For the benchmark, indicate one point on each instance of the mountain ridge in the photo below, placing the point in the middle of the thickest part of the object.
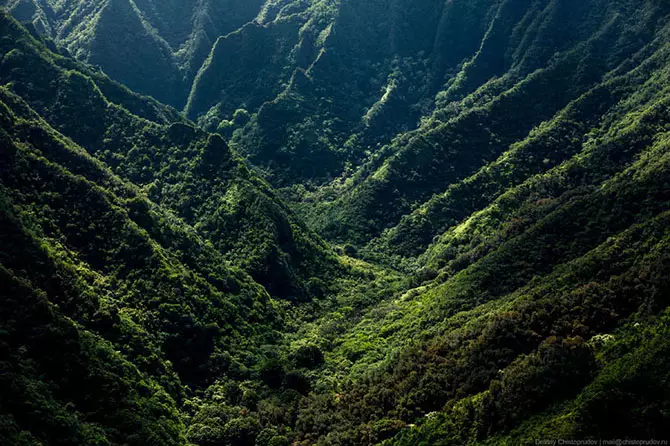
(428, 222)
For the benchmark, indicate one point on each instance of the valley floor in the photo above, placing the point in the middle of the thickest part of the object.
(398, 245)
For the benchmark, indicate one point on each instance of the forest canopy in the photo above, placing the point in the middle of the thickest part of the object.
(334, 222)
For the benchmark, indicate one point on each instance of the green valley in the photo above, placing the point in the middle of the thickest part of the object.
(334, 222)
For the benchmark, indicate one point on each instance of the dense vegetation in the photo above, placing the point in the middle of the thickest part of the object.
(414, 222)
(154, 47)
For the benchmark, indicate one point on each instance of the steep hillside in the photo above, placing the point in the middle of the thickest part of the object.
(138, 290)
(525, 291)
(427, 222)
(188, 171)
(103, 299)
(155, 48)
(330, 87)
(484, 115)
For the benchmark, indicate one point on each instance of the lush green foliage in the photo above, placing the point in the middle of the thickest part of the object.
(491, 180)
(154, 47)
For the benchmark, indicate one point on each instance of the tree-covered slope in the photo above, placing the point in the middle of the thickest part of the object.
(466, 132)
(128, 240)
(94, 273)
(519, 291)
(155, 48)
(489, 181)
(350, 75)
(186, 170)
